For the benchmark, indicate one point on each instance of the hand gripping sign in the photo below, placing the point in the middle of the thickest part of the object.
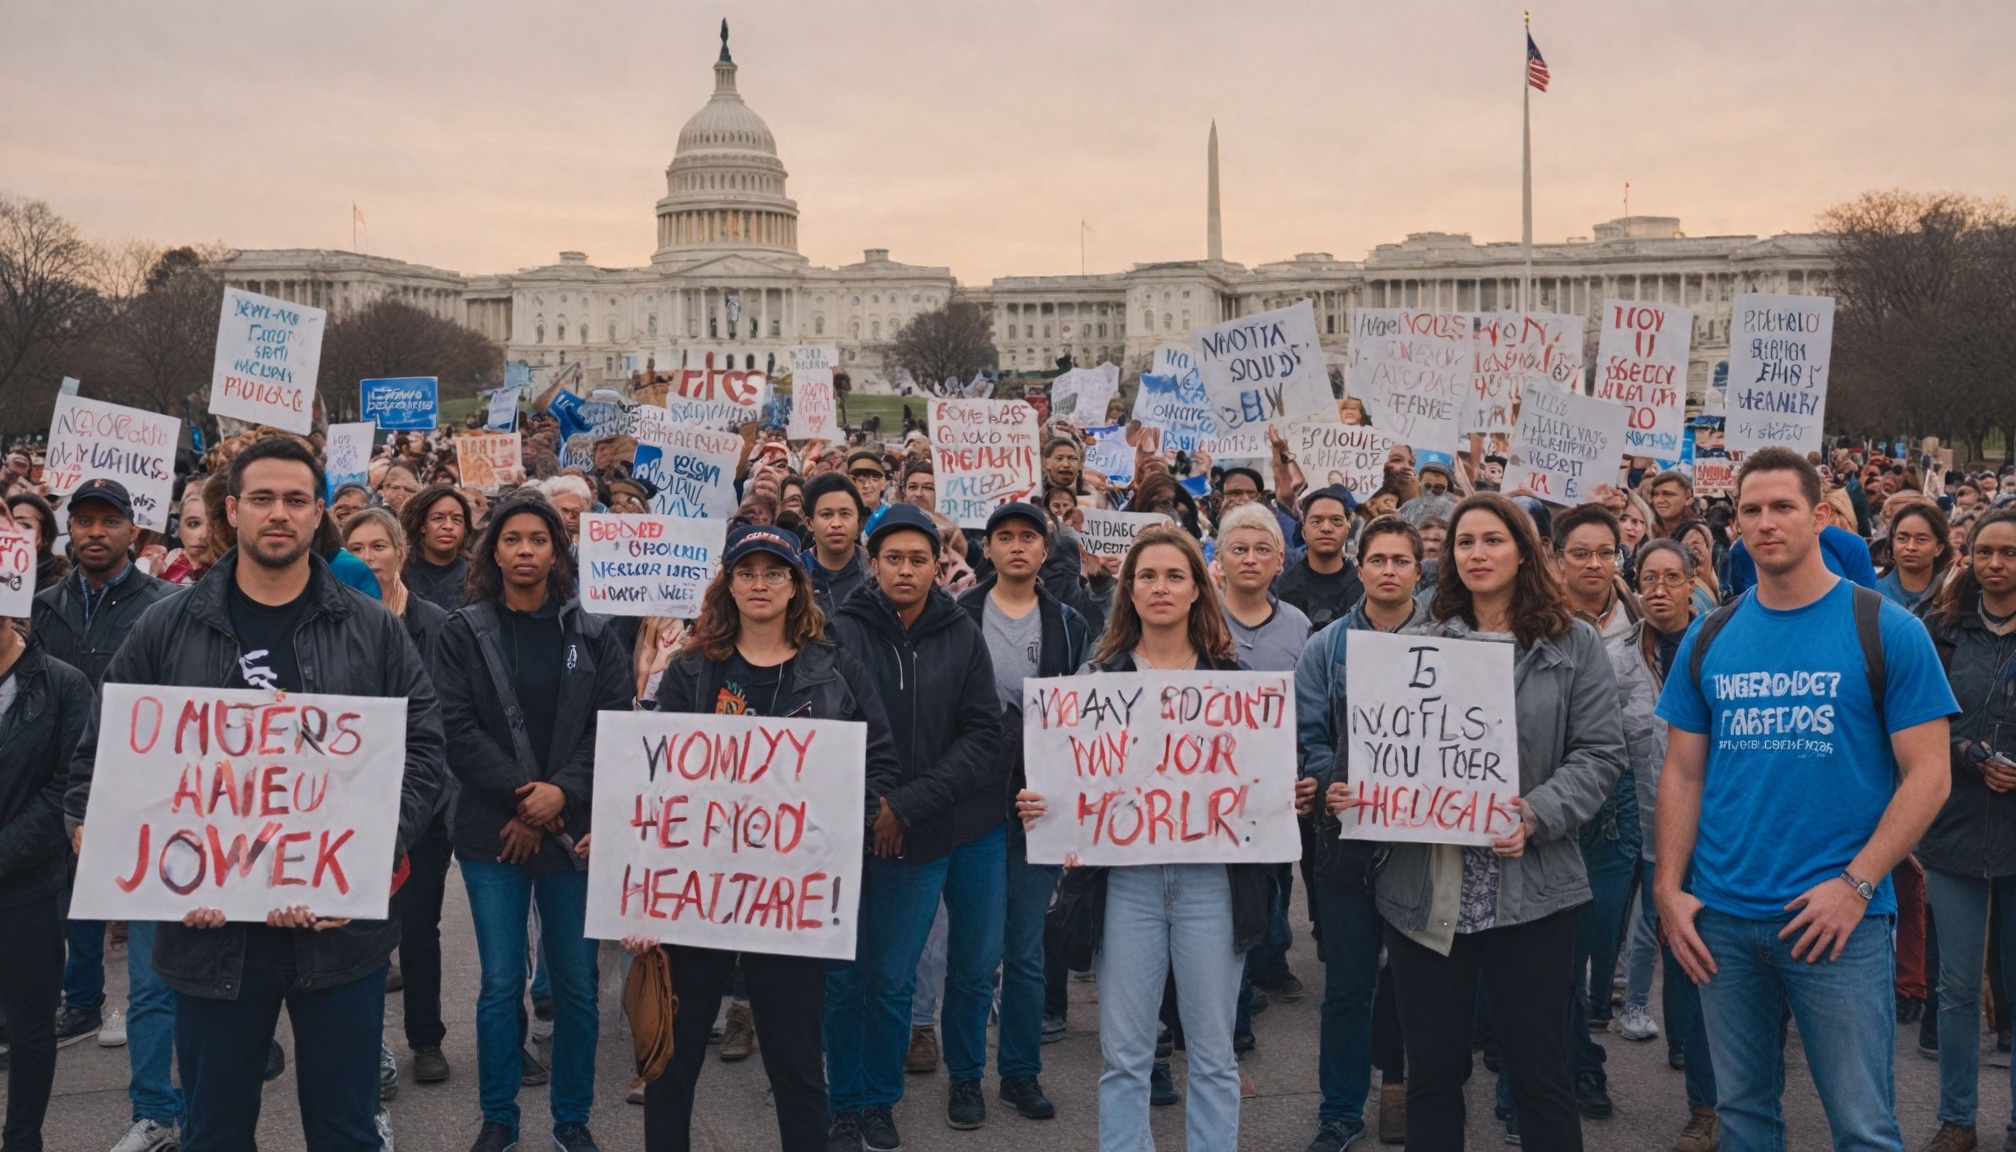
(1162, 768)
(242, 801)
(735, 832)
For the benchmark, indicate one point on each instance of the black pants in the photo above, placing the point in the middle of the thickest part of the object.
(418, 906)
(1389, 1047)
(31, 987)
(1525, 969)
(787, 995)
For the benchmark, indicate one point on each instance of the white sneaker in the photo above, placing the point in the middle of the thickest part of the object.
(112, 1033)
(148, 1136)
(384, 1122)
(1637, 1024)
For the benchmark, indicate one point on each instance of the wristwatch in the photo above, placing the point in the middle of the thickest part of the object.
(1863, 888)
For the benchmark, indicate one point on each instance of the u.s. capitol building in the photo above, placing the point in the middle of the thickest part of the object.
(727, 279)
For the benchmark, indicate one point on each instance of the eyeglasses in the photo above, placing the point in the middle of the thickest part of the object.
(768, 577)
(1653, 580)
(1584, 555)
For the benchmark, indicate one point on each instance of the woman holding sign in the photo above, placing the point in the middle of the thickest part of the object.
(1506, 911)
(759, 648)
(1200, 919)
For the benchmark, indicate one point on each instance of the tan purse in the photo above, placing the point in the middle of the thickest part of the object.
(653, 1007)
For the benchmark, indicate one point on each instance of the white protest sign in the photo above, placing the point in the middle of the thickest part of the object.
(1177, 405)
(347, 454)
(648, 565)
(741, 833)
(1162, 768)
(1083, 394)
(1266, 368)
(268, 351)
(720, 399)
(1566, 444)
(503, 415)
(693, 468)
(984, 455)
(1414, 371)
(241, 801)
(1779, 350)
(1112, 533)
(1173, 360)
(89, 439)
(1434, 739)
(814, 406)
(490, 459)
(1109, 454)
(1714, 475)
(1343, 454)
(1641, 362)
(17, 573)
(1517, 351)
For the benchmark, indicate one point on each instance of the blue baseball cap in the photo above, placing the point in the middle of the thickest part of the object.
(750, 539)
(902, 517)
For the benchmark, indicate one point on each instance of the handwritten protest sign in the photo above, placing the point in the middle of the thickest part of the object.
(718, 398)
(1714, 475)
(348, 455)
(241, 801)
(503, 414)
(1109, 454)
(1517, 351)
(1162, 768)
(693, 468)
(1779, 350)
(1414, 371)
(1641, 361)
(1263, 369)
(814, 414)
(268, 352)
(741, 833)
(1111, 534)
(1173, 360)
(490, 459)
(1565, 445)
(17, 573)
(91, 438)
(648, 565)
(1082, 394)
(984, 455)
(1179, 407)
(400, 404)
(1434, 740)
(1353, 456)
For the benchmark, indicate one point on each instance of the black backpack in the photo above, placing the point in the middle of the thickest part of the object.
(1868, 630)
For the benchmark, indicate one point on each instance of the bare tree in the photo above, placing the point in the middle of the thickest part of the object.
(48, 303)
(164, 339)
(390, 338)
(952, 342)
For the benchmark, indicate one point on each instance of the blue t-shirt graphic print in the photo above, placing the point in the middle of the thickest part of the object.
(1799, 765)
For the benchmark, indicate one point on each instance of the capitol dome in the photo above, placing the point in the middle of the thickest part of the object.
(725, 186)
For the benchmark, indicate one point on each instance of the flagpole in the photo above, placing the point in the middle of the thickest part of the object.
(1526, 171)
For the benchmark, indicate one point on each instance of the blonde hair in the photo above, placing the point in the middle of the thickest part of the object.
(1254, 516)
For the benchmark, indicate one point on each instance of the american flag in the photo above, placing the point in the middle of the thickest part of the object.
(1536, 65)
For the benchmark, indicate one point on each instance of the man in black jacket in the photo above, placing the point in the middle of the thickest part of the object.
(269, 615)
(934, 677)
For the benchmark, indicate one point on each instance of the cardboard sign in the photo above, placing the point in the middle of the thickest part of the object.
(721, 399)
(1641, 362)
(268, 352)
(694, 468)
(1414, 371)
(17, 574)
(400, 404)
(648, 565)
(1083, 394)
(1566, 444)
(503, 414)
(1434, 739)
(814, 405)
(984, 455)
(347, 455)
(1714, 475)
(1179, 407)
(1517, 351)
(91, 438)
(741, 833)
(1112, 533)
(1353, 456)
(1266, 368)
(242, 801)
(1109, 454)
(490, 459)
(1779, 351)
(1162, 768)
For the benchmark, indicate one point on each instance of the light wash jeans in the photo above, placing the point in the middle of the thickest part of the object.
(1847, 1017)
(150, 1031)
(1960, 909)
(1641, 945)
(1158, 916)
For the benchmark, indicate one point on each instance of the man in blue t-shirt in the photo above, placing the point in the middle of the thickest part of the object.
(1793, 793)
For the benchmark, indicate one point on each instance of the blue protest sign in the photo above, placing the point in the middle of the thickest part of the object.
(400, 403)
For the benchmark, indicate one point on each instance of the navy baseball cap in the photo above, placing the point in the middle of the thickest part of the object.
(1018, 510)
(905, 517)
(1335, 492)
(1543, 520)
(750, 539)
(106, 491)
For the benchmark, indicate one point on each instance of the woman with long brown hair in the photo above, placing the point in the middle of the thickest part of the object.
(1506, 911)
(759, 648)
(1199, 919)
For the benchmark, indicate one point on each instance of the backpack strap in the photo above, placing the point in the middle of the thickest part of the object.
(1869, 632)
(1710, 628)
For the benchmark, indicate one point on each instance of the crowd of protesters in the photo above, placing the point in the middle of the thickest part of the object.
(1764, 750)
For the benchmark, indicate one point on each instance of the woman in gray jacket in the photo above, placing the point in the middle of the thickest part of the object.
(1506, 912)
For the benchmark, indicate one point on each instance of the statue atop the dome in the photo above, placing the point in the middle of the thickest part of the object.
(725, 58)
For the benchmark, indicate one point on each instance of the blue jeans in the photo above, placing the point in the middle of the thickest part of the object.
(1846, 1014)
(1159, 916)
(867, 1012)
(1681, 1001)
(1960, 908)
(150, 1030)
(1599, 931)
(1029, 890)
(84, 971)
(500, 895)
(1352, 931)
(337, 1031)
(1641, 943)
(931, 971)
(976, 904)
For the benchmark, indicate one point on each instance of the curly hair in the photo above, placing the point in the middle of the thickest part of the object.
(486, 579)
(1962, 598)
(1539, 604)
(1209, 634)
(413, 517)
(714, 632)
